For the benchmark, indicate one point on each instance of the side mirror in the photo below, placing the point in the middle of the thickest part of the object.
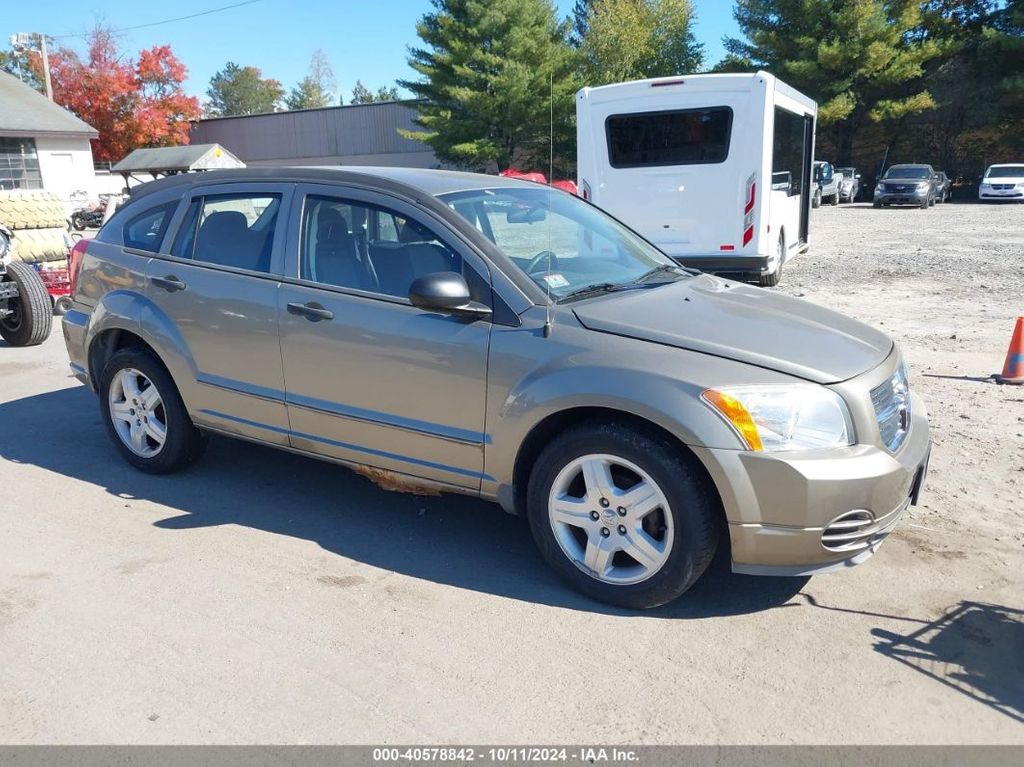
(445, 292)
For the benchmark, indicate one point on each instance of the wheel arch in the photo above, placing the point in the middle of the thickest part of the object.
(122, 320)
(553, 424)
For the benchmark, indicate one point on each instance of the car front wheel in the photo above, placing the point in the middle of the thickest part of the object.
(144, 414)
(622, 515)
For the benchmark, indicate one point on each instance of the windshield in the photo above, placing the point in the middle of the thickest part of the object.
(908, 172)
(1007, 171)
(560, 242)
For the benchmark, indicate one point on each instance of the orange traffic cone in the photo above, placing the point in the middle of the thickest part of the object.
(1013, 369)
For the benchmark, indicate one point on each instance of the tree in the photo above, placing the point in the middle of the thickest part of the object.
(579, 21)
(237, 90)
(131, 104)
(860, 60)
(25, 65)
(363, 95)
(317, 88)
(494, 73)
(636, 39)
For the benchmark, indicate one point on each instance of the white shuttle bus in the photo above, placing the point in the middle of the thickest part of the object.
(713, 169)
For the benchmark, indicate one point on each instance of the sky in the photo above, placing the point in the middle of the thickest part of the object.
(363, 39)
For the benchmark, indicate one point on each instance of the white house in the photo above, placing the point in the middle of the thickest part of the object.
(42, 145)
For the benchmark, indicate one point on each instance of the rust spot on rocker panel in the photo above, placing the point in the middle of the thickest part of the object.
(396, 483)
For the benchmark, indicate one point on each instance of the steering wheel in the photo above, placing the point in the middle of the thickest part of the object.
(542, 259)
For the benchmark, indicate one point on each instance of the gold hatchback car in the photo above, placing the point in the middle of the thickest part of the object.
(465, 333)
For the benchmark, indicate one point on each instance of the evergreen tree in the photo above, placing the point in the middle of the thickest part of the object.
(363, 95)
(490, 72)
(316, 89)
(861, 59)
(239, 90)
(636, 39)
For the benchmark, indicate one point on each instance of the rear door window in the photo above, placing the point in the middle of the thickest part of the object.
(677, 137)
(234, 230)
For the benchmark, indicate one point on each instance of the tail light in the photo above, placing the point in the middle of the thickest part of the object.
(75, 263)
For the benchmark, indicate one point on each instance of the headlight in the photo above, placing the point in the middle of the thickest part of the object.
(772, 418)
(985, 183)
(922, 186)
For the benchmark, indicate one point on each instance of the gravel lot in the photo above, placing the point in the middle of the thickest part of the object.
(262, 597)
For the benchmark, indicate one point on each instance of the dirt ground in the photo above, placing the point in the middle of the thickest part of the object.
(262, 597)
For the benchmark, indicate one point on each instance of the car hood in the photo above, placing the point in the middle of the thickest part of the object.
(728, 319)
(1003, 180)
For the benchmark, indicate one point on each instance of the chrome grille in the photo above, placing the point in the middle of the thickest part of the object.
(1003, 187)
(891, 400)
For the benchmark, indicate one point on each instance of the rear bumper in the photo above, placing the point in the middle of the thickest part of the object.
(725, 264)
(75, 325)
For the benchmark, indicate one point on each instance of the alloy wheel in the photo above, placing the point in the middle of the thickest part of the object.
(611, 519)
(137, 413)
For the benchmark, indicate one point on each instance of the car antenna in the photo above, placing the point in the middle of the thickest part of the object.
(551, 164)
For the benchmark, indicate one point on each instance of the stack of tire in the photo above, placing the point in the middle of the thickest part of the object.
(39, 223)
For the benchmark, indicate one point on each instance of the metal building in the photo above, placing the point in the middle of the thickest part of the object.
(359, 134)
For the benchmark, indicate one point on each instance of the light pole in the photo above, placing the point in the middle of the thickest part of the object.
(23, 42)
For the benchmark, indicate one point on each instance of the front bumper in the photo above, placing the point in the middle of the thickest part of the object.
(901, 198)
(780, 506)
(1000, 194)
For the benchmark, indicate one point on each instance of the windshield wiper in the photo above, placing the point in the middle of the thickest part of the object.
(662, 269)
(593, 290)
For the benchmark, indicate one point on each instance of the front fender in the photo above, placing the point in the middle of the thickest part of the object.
(531, 378)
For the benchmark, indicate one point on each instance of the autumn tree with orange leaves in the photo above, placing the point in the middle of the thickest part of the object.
(131, 103)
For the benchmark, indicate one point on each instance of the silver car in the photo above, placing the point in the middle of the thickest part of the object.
(443, 331)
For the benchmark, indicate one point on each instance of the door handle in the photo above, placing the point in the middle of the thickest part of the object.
(312, 311)
(170, 283)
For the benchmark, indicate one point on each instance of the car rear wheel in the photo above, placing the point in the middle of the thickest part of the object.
(816, 199)
(621, 515)
(144, 414)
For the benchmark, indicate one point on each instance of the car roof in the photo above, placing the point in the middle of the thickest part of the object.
(424, 180)
(1007, 164)
(910, 165)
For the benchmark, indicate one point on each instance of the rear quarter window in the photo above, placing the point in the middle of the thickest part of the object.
(145, 231)
(676, 137)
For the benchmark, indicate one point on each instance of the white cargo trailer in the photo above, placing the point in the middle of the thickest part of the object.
(713, 169)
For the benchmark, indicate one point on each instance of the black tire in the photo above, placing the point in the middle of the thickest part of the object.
(816, 199)
(77, 222)
(184, 444)
(931, 202)
(876, 205)
(924, 205)
(772, 279)
(835, 199)
(32, 317)
(695, 511)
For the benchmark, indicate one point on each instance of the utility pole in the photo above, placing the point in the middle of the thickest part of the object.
(46, 67)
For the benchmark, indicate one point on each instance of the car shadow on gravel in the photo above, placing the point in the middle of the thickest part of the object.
(450, 539)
